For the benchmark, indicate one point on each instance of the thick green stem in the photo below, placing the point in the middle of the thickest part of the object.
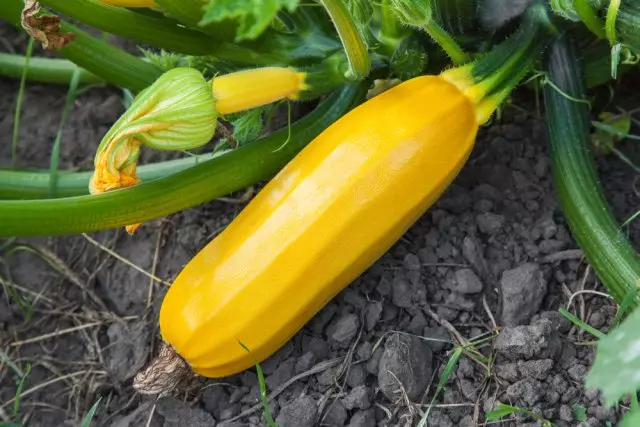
(589, 17)
(392, 32)
(498, 72)
(44, 70)
(446, 42)
(34, 184)
(157, 31)
(352, 40)
(94, 55)
(576, 180)
(213, 178)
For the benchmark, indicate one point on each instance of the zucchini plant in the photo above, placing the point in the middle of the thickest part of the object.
(350, 166)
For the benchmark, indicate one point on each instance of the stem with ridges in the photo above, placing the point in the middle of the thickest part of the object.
(132, 25)
(489, 79)
(446, 42)
(94, 55)
(43, 70)
(352, 40)
(581, 196)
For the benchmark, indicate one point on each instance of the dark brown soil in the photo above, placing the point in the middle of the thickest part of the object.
(493, 253)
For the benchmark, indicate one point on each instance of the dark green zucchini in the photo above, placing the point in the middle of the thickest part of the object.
(590, 219)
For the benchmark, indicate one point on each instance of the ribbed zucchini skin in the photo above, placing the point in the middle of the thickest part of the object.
(319, 224)
(586, 210)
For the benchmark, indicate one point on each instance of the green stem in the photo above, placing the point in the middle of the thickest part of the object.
(352, 40)
(18, 112)
(581, 196)
(157, 31)
(190, 12)
(95, 55)
(499, 71)
(34, 184)
(43, 70)
(589, 17)
(219, 176)
(446, 42)
(391, 31)
(610, 23)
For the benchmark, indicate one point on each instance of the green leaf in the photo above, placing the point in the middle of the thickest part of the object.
(631, 419)
(6, 424)
(610, 129)
(86, 421)
(253, 16)
(247, 125)
(501, 412)
(616, 370)
(579, 323)
(579, 413)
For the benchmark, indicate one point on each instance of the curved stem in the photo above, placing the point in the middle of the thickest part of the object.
(352, 40)
(589, 17)
(446, 42)
(156, 31)
(219, 176)
(94, 55)
(44, 70)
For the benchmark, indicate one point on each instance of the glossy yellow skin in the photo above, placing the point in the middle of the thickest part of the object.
(319, 224)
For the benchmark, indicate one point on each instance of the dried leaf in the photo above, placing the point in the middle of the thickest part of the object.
(45, 29)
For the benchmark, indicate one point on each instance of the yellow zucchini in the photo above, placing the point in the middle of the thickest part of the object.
(329, 214)
(326, 217)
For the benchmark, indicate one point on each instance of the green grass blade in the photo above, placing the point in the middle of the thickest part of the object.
(501, 412)
(263, 389)
(624, 305)
(16, 402)
(16, 117)
(446, 373)
(86, 421)
(6, 360)
(55, 152)
(579, 323)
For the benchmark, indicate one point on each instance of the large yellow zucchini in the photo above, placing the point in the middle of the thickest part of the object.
(324, 219)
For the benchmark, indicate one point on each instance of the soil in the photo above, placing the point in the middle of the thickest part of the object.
(489, 264)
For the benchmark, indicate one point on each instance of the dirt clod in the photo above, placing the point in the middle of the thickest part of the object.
(405, 367)
(344, 329)
(178, 414)
(302, 412)
(127, 349)
(336, 415)
(358, 398)
(364, 418)
(523, 290)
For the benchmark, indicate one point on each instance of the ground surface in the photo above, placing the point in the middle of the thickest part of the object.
(493, 254)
